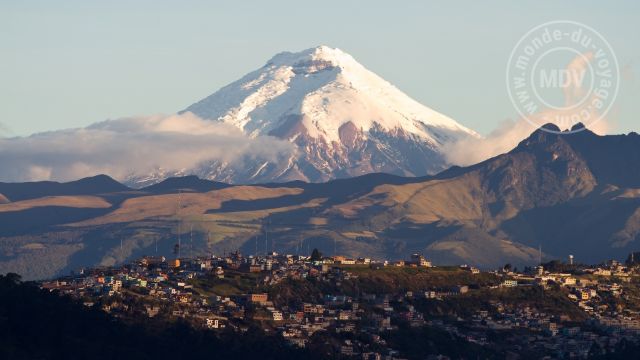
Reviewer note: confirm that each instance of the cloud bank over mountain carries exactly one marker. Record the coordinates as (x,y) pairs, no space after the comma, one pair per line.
(125,146)
(474,150)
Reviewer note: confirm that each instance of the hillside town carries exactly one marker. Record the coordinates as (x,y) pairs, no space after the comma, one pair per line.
(345,306)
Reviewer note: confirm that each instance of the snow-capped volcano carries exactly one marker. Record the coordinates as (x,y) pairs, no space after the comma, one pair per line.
(344,119)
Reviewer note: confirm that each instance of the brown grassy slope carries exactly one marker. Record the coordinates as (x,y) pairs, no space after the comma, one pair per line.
(458,199)
(158,206)
(94,202)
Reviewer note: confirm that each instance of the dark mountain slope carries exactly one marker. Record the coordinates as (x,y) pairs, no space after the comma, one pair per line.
(187,183)
(100,184)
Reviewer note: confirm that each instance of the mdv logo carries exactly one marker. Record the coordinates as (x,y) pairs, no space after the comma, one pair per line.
(561,78)
(562,72)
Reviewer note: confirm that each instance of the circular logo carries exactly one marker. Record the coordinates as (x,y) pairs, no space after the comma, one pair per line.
(565,73)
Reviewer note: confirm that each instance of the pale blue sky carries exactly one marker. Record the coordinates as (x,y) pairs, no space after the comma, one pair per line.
(71,63)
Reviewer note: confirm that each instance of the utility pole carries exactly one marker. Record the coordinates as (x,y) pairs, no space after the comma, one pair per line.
(179,222)
(191,246)
(266,238)
(540,264)
(539,254)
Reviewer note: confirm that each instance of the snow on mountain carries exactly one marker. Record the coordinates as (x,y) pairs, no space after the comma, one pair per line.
(329,88)
(344,119)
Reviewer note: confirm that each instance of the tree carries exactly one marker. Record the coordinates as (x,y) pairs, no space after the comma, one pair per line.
(316,255)
(633,259)
(11,278)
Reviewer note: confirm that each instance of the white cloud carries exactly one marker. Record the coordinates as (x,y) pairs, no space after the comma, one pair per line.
(131,145)
(502,140)
(473,150)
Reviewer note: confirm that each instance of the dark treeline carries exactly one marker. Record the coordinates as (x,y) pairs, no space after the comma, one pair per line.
(37,324)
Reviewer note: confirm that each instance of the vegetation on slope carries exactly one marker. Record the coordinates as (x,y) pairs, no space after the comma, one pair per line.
(37,324)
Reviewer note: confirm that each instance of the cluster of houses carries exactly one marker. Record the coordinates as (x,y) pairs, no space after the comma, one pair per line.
(554,336)
(180,288)
(592,289)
